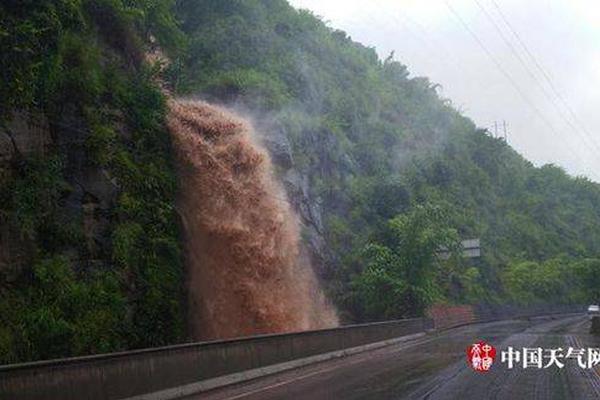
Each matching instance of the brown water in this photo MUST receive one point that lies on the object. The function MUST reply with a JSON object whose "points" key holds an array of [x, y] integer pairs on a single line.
{"points": [[247, 273]]}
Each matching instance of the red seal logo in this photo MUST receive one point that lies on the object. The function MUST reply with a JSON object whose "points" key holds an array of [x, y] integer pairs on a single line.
{"points": [[480, 356]]}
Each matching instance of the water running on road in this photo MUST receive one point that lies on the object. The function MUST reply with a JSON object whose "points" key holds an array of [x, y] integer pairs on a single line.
{"points": [[435, 368]]}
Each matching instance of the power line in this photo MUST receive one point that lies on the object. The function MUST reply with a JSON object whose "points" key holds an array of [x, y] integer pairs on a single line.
{"points": [[508, 77], [535, 78], [540, 68], [403, 22], [433, 45], [421, 36], [523, 45]]}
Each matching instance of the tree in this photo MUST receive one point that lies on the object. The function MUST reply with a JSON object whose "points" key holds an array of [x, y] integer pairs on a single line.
{"points": [[400, 278]]}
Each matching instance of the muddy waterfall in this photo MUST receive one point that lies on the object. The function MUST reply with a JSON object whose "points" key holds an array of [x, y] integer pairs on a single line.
{"points": [[247, 273]]}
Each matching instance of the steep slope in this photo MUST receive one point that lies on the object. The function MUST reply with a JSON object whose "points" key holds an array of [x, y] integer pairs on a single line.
{"points": [[90, 248], [360, 141], [90, 257]]}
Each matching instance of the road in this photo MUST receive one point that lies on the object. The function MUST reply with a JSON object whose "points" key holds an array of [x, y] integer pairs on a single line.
{"points": [[434, 367]]}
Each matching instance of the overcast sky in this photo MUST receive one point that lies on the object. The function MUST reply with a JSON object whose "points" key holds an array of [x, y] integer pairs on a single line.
{"points": [[557, 124]]}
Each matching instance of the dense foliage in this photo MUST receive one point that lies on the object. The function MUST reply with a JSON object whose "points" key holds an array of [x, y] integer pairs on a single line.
{"points": [[398, 172], [401, 273], [376, 143], [78, 65]]}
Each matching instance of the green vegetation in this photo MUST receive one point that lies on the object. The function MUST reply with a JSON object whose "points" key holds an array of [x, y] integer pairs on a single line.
{"points": [[59, 314], [98, 274], [399, 173], [574, 281], [399, 278], [376, 144]]}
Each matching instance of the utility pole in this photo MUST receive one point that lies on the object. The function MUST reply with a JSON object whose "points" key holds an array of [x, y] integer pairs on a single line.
{"points": [[500, 131]]}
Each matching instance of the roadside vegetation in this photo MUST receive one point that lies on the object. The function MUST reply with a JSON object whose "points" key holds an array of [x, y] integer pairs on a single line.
{"points": [[398, 171]]}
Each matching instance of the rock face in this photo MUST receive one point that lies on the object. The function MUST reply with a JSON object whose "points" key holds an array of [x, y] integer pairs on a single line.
{"points": [[24, 135], [280, 149], [297, 181], [91, 191], [309, 206]]}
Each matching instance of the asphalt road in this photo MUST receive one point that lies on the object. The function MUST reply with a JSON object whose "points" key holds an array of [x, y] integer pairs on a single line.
{"points": [[435, 368]]}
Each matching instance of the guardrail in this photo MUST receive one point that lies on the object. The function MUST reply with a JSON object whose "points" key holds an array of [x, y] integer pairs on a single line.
{"points": [[144, 374], [135, 373]]}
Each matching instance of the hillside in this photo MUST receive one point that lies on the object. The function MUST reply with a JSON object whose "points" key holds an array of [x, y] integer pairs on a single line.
{"points": [[381, 170], [90, 257], [369, 141]]}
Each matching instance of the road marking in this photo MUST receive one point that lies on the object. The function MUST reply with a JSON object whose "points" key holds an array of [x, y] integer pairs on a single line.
{"points": [[592, 376], [273, 386], [298, 378], [345, 364]]}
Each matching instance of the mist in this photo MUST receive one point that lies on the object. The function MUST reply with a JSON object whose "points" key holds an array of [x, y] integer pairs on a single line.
{"points": [[547, 124]]}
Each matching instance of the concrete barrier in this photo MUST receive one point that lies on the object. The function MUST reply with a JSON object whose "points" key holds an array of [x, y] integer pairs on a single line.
{"points": [[135, 373], [161, 373], [449, 316]]}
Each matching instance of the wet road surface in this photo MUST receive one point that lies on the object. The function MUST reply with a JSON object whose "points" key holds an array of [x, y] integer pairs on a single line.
{"points": [[434, 367]]}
